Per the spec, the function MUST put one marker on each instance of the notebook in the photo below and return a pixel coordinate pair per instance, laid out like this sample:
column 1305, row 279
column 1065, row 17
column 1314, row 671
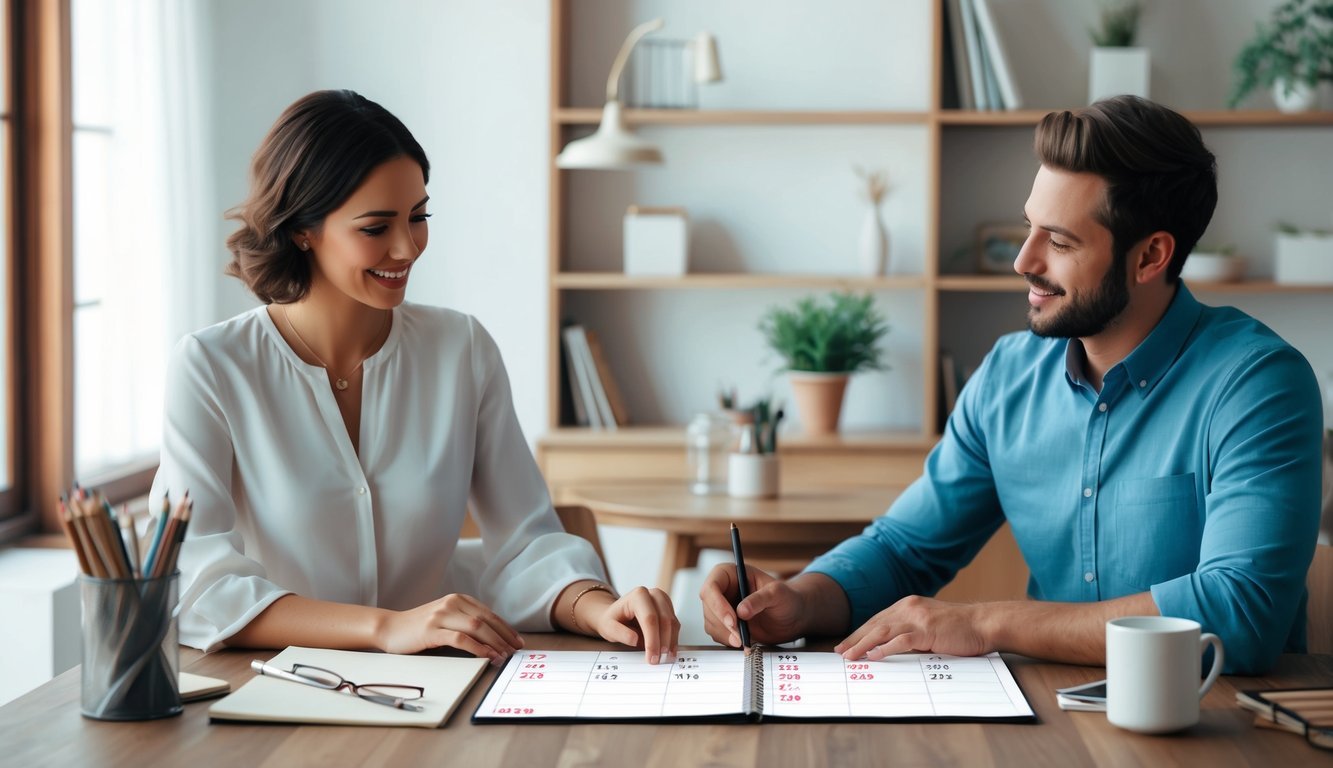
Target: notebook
column 273, row 700
column 761, row 685
column 1305, row 711
column 196, row 687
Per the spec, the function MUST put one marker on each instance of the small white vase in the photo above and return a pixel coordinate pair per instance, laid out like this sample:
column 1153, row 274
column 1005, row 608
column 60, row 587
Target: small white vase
column 874, row 246
column 1291, row 98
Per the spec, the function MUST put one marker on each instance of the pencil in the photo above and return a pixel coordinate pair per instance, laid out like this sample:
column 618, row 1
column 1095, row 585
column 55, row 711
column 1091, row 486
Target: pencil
column 131, row 537
column 66, row 522
column 150, row 561
column 88, row 535
column 179, row 538
column 742, row 583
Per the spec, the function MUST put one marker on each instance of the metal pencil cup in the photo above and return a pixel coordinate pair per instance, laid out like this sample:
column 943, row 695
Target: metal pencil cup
column 130, row 656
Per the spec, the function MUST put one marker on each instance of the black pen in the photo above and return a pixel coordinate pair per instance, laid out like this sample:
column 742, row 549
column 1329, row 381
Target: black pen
column 742, row 583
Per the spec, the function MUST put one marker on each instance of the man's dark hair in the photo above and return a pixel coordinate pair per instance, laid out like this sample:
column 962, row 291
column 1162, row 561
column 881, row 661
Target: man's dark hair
column 1159, row 175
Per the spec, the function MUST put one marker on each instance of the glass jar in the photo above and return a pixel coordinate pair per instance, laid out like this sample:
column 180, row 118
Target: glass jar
column 706, row 444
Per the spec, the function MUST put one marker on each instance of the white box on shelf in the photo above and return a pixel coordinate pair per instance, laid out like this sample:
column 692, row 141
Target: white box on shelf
column 656, row 241
column 1304, row 259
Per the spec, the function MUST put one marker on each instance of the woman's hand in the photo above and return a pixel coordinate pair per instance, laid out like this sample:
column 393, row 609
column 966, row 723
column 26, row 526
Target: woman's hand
column 457, row 621
column 643, row 618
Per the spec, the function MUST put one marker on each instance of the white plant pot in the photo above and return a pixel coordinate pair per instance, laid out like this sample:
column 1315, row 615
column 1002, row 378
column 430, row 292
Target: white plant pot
column 1116, row 71
column 752, row 475
column 1291, row 98
column 1304, row 259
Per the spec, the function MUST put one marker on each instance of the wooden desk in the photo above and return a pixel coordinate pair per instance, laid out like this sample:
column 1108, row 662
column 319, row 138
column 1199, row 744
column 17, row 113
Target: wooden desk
column 45, row 728
column 798, row 525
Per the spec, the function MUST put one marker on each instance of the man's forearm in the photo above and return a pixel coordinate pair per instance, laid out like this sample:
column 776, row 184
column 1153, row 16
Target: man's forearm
column 1074, row 633
column 825, row 604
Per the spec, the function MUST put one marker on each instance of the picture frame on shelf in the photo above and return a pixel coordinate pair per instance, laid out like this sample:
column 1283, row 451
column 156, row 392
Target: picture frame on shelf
column 998, row 246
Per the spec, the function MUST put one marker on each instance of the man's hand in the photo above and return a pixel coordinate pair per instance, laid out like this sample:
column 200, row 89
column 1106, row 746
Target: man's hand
column 919, row 624
column 774, row 611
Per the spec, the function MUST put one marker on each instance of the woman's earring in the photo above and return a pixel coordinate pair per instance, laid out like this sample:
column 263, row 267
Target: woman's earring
column 305, row 245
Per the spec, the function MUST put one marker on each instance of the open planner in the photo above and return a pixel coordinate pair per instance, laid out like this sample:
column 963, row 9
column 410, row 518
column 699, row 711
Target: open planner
column 764, row 684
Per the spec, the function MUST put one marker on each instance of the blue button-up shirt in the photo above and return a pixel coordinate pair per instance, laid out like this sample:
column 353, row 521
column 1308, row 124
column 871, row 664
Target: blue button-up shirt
column 1194, row 473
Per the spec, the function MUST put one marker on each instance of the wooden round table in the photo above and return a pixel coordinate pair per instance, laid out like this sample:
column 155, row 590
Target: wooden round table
column 798, row 525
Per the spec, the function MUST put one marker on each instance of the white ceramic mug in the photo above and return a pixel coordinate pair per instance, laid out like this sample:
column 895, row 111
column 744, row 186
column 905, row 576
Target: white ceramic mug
column 1152, row 672
column 752, row 475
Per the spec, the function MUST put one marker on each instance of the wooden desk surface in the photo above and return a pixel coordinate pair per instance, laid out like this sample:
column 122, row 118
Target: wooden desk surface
column 45, row 728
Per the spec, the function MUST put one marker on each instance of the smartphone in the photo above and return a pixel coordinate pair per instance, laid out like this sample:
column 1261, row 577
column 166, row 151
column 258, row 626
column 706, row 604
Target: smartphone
column 1093, row 692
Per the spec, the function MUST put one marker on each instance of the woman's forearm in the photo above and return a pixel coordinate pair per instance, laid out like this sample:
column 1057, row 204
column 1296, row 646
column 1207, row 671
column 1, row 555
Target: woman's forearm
column 296, row 620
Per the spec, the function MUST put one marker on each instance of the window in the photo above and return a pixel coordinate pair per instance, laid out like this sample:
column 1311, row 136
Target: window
column 133, row 182
column 110, row 204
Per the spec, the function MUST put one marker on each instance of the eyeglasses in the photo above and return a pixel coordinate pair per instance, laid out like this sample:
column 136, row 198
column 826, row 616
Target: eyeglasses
column 388, row 694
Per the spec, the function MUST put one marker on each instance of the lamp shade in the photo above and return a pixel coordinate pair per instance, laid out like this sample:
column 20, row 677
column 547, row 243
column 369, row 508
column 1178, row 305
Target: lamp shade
column 612, row 146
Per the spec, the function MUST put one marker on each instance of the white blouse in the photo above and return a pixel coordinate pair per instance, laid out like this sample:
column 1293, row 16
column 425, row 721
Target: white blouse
column 283, row 504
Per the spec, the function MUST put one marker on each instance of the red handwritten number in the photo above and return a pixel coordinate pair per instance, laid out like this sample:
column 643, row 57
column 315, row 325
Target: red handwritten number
column 789, row 697
column 861, row 676
column 536, row 656
column 858, row 666
column 514, row 710
column 531, row 675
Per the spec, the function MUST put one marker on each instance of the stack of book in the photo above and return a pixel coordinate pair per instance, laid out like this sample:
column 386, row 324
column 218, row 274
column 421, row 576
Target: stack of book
column 596, row 398
column 980, row 66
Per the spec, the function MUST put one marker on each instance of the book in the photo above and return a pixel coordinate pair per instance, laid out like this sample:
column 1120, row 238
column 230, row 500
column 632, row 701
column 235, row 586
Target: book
column 761, row 685
column 975, row 62
column 996, row 57
column 584, row 411
column 961, row 65
column 196, row 687
column 572, row 376
column 272, row 700
column 1304, row 711
column 600, row 403
column 618, row 410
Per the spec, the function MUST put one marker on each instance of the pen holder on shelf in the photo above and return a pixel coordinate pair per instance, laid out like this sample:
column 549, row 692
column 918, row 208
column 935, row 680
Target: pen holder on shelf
column 130, row 654
column 752, row 475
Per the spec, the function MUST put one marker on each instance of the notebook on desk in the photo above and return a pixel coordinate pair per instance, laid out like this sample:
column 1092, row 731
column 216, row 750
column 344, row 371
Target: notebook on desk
column 269, row 699
column 764, row 685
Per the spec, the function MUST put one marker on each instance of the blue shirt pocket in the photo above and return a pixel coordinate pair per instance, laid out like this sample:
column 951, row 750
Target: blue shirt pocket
column 1150, row 533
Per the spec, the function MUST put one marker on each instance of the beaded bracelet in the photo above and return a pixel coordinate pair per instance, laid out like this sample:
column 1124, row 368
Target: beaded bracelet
column 594, row 588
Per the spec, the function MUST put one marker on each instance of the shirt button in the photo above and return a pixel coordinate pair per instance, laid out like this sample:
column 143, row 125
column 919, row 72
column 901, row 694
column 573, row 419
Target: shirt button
column 361, row 491
column 1143, row 383
column 1089, row 577
column 1087, row 492
column 1101, row 407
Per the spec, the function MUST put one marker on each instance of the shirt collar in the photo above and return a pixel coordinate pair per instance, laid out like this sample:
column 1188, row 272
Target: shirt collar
column 1151, row 359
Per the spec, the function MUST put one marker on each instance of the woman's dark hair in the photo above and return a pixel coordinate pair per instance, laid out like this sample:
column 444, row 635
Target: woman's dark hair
column 317, row 153
column 1159, row 175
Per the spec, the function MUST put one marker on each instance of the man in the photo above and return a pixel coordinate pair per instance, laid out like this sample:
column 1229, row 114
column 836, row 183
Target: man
column 1152, row 455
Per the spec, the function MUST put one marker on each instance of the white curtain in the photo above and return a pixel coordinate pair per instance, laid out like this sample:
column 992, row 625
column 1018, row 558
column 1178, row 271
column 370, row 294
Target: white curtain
column 143, row 261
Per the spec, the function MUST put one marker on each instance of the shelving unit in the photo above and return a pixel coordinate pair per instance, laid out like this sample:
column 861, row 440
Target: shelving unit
column 569, row 453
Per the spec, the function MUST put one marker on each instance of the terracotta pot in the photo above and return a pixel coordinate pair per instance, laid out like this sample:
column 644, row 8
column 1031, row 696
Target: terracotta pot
column 819, row 400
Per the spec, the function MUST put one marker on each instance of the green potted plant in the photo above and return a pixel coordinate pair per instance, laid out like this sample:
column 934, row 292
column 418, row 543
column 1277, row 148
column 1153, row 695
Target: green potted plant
column 1117, row 66
column 822, row 343
column 1290, row 54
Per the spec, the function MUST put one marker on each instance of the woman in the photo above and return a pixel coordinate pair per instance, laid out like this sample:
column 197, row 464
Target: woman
column 333, row 439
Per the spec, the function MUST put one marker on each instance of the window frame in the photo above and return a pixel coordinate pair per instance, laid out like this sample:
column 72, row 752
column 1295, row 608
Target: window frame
column 43, row 285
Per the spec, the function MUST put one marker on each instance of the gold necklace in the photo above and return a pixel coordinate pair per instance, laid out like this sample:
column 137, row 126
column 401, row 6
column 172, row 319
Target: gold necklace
column 339, row 382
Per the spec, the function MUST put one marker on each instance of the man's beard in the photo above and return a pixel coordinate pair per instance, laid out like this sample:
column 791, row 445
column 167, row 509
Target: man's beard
column 1083, row 316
